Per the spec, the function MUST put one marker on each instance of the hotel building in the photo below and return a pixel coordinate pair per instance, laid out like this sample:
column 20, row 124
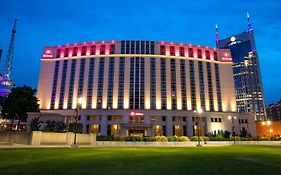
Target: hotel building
column 142, row 88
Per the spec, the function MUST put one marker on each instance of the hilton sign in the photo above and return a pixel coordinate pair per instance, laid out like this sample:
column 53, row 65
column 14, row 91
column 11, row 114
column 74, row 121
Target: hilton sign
column 136, row 114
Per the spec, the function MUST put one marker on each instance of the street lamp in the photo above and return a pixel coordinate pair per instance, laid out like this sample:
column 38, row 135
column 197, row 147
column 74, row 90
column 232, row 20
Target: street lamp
column 267, row 123
column 78, row 106
column 199, row 111
column 270, row 131
column 232, row 118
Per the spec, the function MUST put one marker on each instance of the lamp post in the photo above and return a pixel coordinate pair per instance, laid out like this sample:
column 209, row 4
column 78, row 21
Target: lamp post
column 232, row 118
column 199, row 111
column 78, row 106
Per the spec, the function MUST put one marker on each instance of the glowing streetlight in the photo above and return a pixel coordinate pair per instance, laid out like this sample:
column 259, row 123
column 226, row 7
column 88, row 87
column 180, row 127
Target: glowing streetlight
column 232, row 118
column 199, row 111
column 78, row 106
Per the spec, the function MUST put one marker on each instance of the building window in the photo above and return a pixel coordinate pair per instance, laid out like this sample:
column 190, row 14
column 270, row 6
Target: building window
column 132, row 83
column 84, row 48
column 66, row 52
column 121, row 82
column 58, row 53
column 162, row 50
column 163, row 84
column 207, row 54
column 183, row 84
column 81, row 77
column 112, row 49
column 173, row 84
column 210, row 86
column 93, row 49
column 122, row 47
column 201, row 85
column 215, row 56
column 192, row 84
column 100, row 84
column 190, row 52
column 110, row 83
column 172, row 50
column 102, row 49
column 199, row 53
column 74, row 52
column 71, row 84
column 136, row 119
column 62, row 88
column 90, row 83
column 182, row 52
column 217, row 73
column 54, row 87
column 152, row 83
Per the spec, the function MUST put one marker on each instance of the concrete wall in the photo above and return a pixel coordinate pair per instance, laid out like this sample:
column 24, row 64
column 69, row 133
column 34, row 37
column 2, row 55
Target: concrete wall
column 48, row 138
column 15, row 137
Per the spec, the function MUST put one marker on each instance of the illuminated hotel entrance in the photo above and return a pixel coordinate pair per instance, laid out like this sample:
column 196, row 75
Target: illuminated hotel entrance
column 136, row 132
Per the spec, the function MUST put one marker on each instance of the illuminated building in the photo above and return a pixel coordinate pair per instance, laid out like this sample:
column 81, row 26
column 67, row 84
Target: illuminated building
column 140, row 87
column 246, row 72
column 273, row 111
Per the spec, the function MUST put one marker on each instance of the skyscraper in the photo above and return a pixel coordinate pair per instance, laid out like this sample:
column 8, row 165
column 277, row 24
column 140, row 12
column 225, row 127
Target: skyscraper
column 246, row 71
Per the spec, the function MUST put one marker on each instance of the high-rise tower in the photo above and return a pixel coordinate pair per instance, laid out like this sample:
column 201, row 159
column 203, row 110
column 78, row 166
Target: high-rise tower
column 246, row 72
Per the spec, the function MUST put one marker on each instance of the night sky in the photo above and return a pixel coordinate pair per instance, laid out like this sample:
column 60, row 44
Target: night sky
column 45, row 23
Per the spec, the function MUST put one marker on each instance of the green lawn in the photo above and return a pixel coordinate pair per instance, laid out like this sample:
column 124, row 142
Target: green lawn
column 250, row 160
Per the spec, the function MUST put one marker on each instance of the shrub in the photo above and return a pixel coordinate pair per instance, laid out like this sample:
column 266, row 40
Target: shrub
column 35, row 124
column 76, row 127
column 161, row 139
column 172, row 138
column 148, row 139
column 195, row 138
column 183, row 139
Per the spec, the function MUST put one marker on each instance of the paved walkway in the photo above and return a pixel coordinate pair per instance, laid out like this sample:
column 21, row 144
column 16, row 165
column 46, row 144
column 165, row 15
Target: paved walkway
column 147, row 144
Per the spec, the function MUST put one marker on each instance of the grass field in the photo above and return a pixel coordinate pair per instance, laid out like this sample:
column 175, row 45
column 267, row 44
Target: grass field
column 250, row 160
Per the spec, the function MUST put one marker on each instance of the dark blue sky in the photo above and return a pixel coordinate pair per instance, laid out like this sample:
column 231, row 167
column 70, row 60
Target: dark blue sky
column 42, row 23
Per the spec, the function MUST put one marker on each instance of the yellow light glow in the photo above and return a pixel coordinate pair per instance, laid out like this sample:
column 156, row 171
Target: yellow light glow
column 270, row 130
column 268, row 122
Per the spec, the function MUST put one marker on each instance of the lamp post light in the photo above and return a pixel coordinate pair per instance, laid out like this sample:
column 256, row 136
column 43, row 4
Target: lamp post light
column 78, row 107
column 270, row 132
column 232, row 119
column 199, row 111
column 267, row 124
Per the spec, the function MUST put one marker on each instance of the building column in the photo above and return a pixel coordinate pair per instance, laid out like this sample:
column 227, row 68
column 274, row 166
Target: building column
column 189, row 127
column 169, row 125
column 103, row 130
column 83, row 120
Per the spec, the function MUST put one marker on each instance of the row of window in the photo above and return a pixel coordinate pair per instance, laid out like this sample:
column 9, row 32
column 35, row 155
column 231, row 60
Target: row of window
column 137, row 83
column 191, row 52
column 92, row 50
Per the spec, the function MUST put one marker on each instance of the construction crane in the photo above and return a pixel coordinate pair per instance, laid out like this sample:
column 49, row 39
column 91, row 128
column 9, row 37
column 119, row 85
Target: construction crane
column 6, row 82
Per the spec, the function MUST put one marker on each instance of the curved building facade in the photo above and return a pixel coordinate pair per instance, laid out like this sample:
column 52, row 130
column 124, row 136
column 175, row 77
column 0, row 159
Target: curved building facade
column 137, row 87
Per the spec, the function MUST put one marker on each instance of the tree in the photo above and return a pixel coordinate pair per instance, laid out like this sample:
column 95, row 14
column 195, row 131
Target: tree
column 20, row 101
column 35, row 124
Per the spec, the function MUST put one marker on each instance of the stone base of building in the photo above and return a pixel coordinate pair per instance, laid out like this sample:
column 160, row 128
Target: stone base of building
column 153, row 122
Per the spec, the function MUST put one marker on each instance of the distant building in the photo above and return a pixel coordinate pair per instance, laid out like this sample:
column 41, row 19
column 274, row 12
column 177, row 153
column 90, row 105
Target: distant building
column 274, row 111
column 140, row 88
column 246, row 72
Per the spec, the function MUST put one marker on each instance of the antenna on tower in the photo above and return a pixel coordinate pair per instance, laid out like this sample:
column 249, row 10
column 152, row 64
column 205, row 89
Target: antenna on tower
column 217, row 35
column 10, row 55
column 250, row 28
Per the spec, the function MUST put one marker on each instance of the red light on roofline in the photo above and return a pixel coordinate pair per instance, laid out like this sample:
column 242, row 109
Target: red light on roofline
column 113, row 41
column 94, row 42
column 103, row 42
column 189, row 45
column 84, row 43
column 75, row 44
column 162, row 42
column 172, row 43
